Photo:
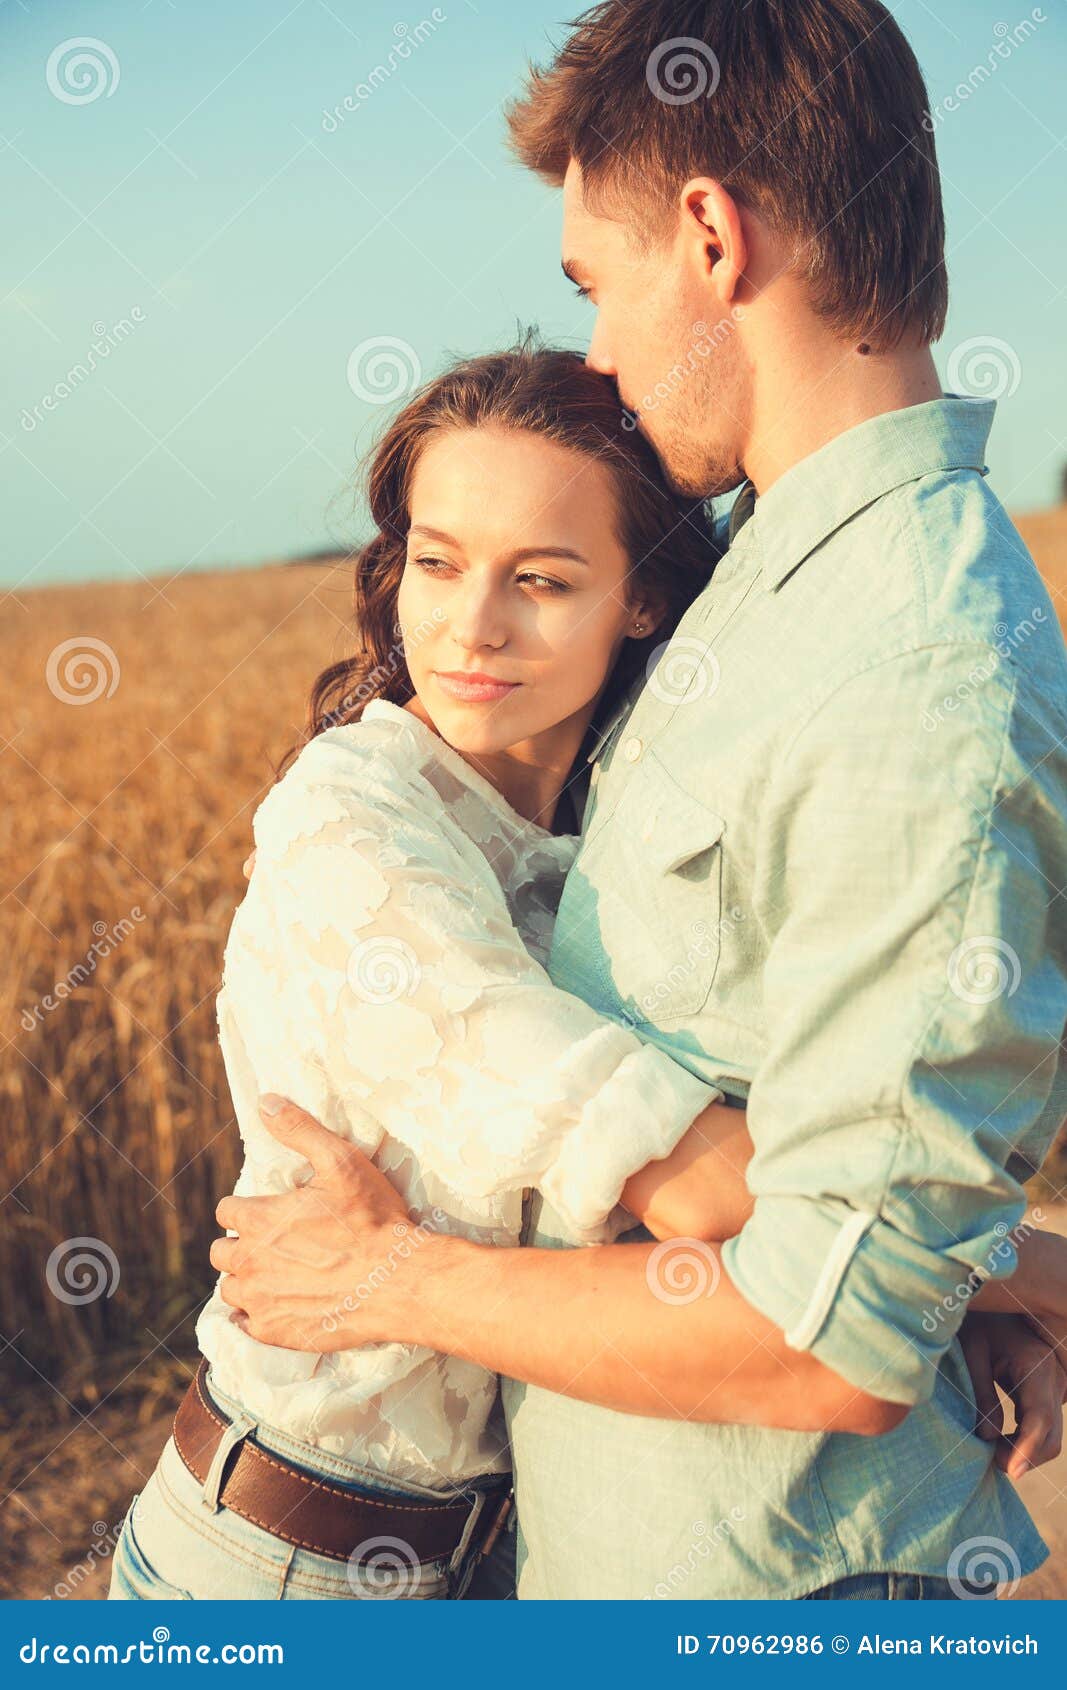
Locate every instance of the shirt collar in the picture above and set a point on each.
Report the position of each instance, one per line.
(825, 490)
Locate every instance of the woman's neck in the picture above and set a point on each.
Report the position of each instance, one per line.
(532, 775)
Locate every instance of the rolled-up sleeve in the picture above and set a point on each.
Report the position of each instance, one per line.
(914, 848)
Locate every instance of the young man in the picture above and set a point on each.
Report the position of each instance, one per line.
(822, 859)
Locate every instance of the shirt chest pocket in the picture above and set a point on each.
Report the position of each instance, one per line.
(660, 896)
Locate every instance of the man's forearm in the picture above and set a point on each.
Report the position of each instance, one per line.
(647, 1329)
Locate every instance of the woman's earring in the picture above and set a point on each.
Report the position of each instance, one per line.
(639, 629)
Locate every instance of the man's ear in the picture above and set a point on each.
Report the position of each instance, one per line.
(714, 232)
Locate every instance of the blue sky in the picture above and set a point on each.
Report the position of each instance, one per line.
(226, 243)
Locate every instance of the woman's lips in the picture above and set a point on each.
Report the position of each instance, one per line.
(475, 689)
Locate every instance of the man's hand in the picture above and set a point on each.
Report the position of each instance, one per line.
(1004, 1350)
(322, 1267)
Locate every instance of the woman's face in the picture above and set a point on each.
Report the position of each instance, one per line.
(515, 598)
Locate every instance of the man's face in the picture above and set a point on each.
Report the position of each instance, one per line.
(677, 359)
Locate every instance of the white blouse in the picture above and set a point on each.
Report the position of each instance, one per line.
(385, 971)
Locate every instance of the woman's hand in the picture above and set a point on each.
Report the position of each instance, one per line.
(248, 865)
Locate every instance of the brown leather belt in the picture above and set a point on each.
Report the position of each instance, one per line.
(309, 1511)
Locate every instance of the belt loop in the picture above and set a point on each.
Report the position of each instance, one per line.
(237, 1430)
(481, 1497)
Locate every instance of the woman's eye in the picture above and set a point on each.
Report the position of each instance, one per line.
(432, 565)
(545, 583)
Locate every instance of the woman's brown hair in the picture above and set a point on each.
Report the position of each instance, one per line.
(553, 394)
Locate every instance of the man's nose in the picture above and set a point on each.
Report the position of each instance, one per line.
(597, 357)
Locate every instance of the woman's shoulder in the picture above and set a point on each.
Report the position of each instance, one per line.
(358, 773)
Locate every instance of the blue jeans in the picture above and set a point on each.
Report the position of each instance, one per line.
(880, 1587)
(175, 1547)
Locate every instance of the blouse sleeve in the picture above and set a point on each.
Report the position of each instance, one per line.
(431, 1017)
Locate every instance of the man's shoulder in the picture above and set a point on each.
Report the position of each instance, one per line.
(973, 576)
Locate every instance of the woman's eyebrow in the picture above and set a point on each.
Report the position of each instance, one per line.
(547, 551)
(434, 534)
(516, 556)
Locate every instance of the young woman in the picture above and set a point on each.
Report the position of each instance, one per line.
(384, 969)
(381, 969)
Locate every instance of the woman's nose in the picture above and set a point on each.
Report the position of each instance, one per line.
(477, 620)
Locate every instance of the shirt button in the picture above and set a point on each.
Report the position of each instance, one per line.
(632, 750)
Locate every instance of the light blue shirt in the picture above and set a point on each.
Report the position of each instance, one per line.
(821, 865)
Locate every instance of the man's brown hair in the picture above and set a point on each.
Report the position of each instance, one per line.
(809, 112)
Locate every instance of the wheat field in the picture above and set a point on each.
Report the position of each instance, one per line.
(141, 726)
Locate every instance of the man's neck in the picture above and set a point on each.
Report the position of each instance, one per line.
(822, 391)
